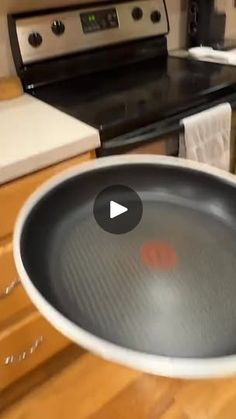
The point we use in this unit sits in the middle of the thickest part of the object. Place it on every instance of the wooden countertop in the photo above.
(86, 387)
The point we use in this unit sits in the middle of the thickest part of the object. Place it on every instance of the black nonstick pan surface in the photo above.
(162, 297)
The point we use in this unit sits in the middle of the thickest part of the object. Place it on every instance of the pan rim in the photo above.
(154, 364)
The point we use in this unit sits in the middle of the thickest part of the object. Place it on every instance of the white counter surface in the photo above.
(34, 135)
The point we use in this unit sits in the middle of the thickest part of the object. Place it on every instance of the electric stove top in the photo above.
(127, 98)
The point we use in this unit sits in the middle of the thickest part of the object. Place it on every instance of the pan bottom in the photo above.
(182, 309)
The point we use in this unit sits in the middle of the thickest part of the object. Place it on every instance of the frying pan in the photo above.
(160, 298)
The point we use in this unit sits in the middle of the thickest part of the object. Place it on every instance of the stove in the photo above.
(108, 65)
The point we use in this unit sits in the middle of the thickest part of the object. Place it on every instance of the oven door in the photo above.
(149, 140)
(167, 146)
(163, 139)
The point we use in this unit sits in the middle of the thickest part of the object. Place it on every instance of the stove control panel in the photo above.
(99, 20)
(48, 35)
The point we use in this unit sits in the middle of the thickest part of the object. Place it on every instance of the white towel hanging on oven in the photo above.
(207, 137)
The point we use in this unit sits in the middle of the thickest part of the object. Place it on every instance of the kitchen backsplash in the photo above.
(176, 9)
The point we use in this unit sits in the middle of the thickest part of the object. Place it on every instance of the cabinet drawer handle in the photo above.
(8, 290)
(15, 359)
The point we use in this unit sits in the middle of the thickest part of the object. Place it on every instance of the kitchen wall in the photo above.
(229, 6)
(178, 23)
(176, 38)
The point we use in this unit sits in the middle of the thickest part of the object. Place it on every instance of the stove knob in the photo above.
(35, 39)
(137, 13)
(58, 27)
(155, 16)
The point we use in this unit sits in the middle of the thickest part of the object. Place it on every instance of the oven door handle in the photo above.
(160, 129)
(154, 133)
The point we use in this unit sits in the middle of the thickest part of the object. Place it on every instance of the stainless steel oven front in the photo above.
(167, 145)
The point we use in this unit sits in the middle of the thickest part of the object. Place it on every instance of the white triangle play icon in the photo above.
(116, 209)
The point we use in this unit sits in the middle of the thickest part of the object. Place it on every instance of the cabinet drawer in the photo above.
(25, 345)
(13, 298)
(13, 194)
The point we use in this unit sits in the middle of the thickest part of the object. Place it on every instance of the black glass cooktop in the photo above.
(124, 99)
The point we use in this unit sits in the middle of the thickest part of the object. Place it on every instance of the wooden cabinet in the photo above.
(26, 344)
(13, 194)
(13, 298)
(26, 339)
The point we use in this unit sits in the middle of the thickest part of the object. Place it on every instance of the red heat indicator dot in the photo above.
(158, 255)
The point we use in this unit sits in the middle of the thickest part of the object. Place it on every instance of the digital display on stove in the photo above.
(99, 20)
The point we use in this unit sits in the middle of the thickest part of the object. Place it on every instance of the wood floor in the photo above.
(82, 386)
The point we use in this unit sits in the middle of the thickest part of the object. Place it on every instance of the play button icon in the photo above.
(118, 209)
